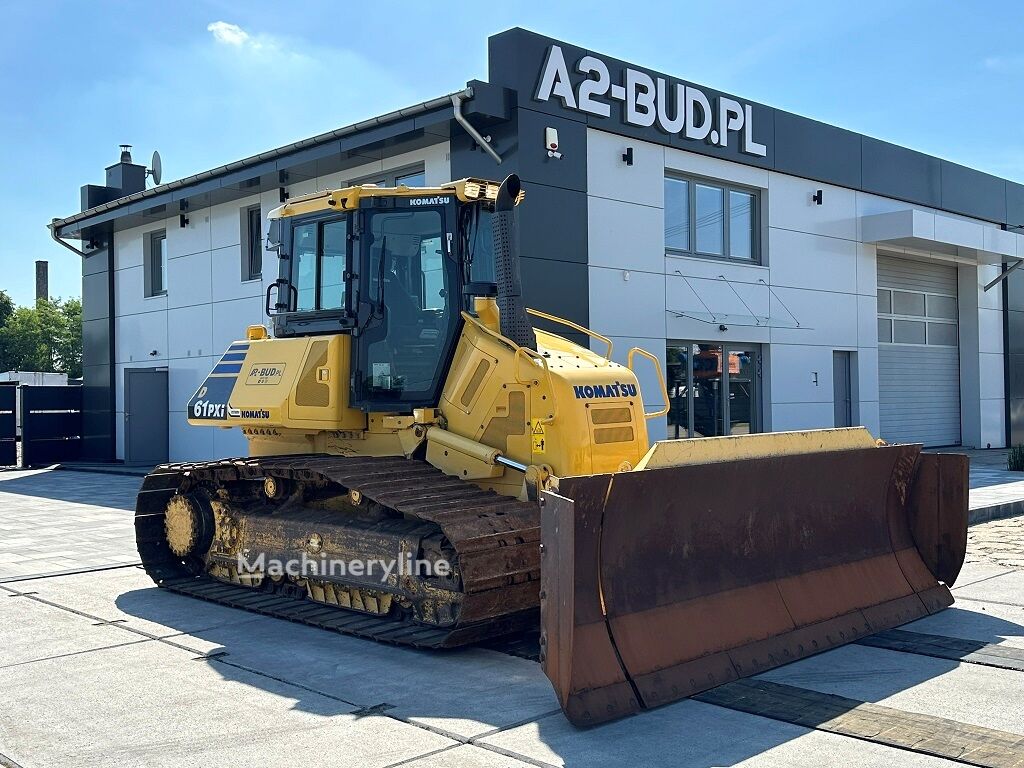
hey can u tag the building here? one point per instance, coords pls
(788, 274)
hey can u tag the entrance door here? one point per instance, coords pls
(145, 416)
(713, 389)
(841, 390)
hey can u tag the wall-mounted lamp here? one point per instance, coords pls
(627, 156)
(817, 197)
(182, 220)
(723, 328)
(282, 194)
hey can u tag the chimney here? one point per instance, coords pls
(42, 281)
(125, 176)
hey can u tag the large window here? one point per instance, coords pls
(252, 243)
(711, 220)
(713, 389)
(320, 254)
(914, 317)
(155, 263)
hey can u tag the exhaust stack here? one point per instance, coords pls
(515, 324)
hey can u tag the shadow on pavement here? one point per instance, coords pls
(474, 690)
(93, 489)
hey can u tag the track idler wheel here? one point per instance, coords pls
(188, 524)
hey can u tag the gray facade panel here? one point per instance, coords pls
(98, 393)
(973, 193)
(533, 163)
(894, 171)
(514, 60)
(1015, 333)
(553, 224)
(817, 151)
(1015, 206)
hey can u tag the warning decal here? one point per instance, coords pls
(537, 432)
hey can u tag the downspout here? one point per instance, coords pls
(457, 101)
(69, 246)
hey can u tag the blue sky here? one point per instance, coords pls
(79, 78)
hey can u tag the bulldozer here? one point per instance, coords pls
(429, 466)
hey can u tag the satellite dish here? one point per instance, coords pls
(156, 168)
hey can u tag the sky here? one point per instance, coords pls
(207, 82)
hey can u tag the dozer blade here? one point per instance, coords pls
(658, 584)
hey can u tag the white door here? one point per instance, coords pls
(918, 352)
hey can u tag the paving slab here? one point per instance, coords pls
(30, 631)
(970, 693)
(697, 735)
(129, 596)
(1006, 588)
(468, 756)
(465, 692)
(168, 710)
(970, 620)
(59, 521)
(977, 569)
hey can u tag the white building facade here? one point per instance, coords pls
(787, 274)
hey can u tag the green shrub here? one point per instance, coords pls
(1015, 459)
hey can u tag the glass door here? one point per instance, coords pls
(714, 389)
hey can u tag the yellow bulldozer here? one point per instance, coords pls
(428, 467)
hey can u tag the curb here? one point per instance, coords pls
(995, 512)
(113, 470)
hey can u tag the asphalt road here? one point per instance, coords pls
(100, 668)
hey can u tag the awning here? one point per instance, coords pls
(924, 230)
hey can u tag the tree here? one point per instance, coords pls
(6, 308)
(47, 337)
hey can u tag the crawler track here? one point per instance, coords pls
(495, 540)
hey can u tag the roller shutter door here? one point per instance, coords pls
(918, 352)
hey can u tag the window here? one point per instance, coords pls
(320, 254)
(155, 263)
(713, 389)
(915, 317)
(252, 243)
(408, 177)
(410, 280)
(711, 220)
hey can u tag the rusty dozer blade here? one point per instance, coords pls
(660, 583)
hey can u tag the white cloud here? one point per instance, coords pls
(1003, 63)
(228, 34)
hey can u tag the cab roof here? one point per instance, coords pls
(347, 198)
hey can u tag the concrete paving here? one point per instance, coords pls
(103, 669)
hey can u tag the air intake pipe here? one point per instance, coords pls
(515, 323)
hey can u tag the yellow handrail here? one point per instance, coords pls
(575, 327)
(661, 379)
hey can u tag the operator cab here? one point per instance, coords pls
(395, 271)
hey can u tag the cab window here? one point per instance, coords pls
(320, 257)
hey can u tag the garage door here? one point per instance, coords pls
(918, 352)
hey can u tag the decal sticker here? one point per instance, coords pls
(211, 401)
(595, 391)
(265, 373)
(537, 433)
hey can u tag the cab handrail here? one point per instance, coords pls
(579, 328)
(661, 379)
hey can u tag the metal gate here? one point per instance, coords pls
(8, 425)
(51, 424)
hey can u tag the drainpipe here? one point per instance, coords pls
(457, 101)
